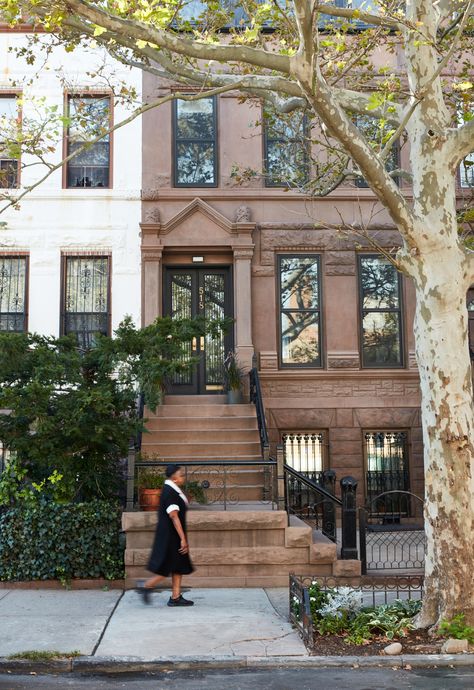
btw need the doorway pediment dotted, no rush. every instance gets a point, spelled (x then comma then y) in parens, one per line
(198, 224)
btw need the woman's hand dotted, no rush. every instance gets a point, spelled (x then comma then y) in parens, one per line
(184, 547)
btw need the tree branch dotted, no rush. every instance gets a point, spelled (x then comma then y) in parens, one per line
(360, 15)
(177, 43)
(461, 142)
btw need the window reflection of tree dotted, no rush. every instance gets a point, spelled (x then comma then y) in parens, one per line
(195, 142)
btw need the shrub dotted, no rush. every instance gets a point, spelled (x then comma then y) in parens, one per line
(46, 540)
(457, 628)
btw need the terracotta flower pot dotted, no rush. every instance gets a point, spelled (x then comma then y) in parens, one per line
(149, 499)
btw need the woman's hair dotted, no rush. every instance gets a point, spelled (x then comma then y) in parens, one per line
(172, 469)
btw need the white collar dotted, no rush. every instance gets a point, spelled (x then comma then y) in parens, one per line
(174, 486)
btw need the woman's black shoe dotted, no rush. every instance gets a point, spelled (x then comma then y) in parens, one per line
(145, 594)
(180, 601)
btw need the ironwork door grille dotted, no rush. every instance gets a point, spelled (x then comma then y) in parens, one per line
(13, 277)
(387, 469)
(304, 452)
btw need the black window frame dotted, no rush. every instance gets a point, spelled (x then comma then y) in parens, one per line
(282, 364)
(282, 140)
(180, 140)
(362, 311)
(70, 164)
(64, 295)
(24, 313)
(12, 163)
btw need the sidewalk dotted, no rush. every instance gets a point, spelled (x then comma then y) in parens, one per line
(113, 632)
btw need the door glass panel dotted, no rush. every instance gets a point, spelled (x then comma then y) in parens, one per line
(181, 308)
(214, 295)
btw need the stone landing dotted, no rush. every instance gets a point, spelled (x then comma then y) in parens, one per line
(238, 549)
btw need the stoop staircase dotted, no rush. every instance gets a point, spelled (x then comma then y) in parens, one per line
(249, 545)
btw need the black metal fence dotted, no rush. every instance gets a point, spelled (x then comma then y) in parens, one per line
(391, 533)
(375, 591)
(257, 400)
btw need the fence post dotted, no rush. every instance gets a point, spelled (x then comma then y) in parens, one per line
(363, 540)
(267, 475)
(349, 518)
(130, 477)
(280, 478)
(329, 509)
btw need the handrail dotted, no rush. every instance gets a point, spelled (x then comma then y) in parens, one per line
(257, 400)
(140, 411)
(313, 485)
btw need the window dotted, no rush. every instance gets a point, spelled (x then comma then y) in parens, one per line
(387, 469)
(380, 304)
(300, 304)
(377, 136)
(86, 297)
(466, 172)
(286, 149)
(304, 452)
(89, 117)
(195, 155)
(9, 123)
(5, 456)
(13, 282)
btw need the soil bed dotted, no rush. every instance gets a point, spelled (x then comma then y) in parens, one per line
(416, 642)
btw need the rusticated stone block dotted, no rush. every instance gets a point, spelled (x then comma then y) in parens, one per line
(322, 552)
(347, 568)
(298, 536)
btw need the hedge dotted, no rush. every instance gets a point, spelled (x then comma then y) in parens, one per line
(61, 541)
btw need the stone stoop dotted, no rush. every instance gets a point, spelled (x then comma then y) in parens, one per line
(238, 549)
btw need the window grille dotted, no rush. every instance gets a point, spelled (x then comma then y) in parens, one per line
(86, 298)
(286, 149)
(89, 117)
(381, 314)
(13, 280)
(387, 468)
(304, 452)
(9, 125)
(300, 306)
(195, 145)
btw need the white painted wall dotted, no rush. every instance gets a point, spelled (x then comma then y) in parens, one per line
(52, 219)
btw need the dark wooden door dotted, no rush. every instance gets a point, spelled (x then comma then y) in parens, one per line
(191, 292)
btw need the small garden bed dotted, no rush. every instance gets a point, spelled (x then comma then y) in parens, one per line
(415, 642)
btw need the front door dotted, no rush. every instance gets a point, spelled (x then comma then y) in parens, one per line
(191, 292)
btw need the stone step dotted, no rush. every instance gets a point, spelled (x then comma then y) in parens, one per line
(205, 410)
(205, 436)
(217, 461)
(195, 399)
(197, 449)
(201, 423)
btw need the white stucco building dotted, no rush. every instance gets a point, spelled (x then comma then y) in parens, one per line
(70, 256)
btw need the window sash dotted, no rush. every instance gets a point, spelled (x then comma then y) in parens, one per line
(82, 171)
(203, 143)
(9, 167)
(13, 293)
(365, 312)
(297, 145)
(307, 316)
(86, 298)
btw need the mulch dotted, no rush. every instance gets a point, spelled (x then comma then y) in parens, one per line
(416, 642)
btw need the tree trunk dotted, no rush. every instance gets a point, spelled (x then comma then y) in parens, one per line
(441, 332)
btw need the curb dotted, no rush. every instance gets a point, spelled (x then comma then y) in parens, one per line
(93, 665)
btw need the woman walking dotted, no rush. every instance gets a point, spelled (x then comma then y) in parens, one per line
(170, 552)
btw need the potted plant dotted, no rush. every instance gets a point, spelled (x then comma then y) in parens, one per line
(150, 485)
(195, 492)
(233, 375)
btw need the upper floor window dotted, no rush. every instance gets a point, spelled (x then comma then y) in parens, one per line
(381, 316)
(86, 297)
(9, 122)
(300, 306)
(377, 136)
(470, 313)
(89, 116)
(466, 172)
(195, 145)
(13, 281)
(286, 149)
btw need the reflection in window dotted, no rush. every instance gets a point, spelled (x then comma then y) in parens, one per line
(286, 149)
(86, 298)
(89, 117)
(9, 124)
(195, 143)
(13, 293)
(300, 311)
(381, 312)
(377, 137)
(470, 313)
(466, 172)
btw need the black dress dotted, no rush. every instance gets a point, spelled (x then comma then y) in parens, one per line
(165, 558)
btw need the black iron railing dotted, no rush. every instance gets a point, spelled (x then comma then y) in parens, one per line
(317, 505)
(220, 484)
(257, 400)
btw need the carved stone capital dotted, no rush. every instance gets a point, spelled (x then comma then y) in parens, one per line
(243, 214)
(242, 253)
(150, 194)
(151, 215)
(154, 254)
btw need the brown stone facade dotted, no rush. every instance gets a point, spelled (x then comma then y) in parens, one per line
(247, 228)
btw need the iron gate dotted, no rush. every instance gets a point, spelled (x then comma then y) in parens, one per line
(391, 533)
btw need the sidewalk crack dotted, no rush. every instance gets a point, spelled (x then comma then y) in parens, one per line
(101, 636)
